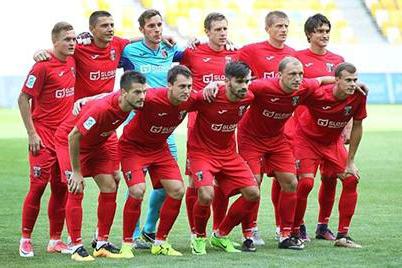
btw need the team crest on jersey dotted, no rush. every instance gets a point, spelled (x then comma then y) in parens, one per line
(348, 110)
(37, 171)
(182, 114)
(68, 174)
(30, 81)
(164, 53)
(242, 109)
(90, 122)
(330, 66)
(112, 54)
(228, 59)
(199, 175)
(295, 100)
(128, 175)
(297, 163)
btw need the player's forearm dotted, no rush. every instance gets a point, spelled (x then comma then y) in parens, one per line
(326, 80)
(74, 149)
(355, 138)
(25, 110)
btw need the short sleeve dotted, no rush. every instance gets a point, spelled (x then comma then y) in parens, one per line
(35, 80)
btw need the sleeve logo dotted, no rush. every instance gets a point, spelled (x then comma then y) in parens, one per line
(30, 81)
(89, 123)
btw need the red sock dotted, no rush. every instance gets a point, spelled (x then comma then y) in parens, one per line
(326, 198)
(106, 211)
(31, 207)
(191, 198)
(131, 214)
(57, 208)
(201, 214)
(304, 187)
(237, 211)
(250, 221)
(347, 203)
(219, 207)
(275, 194)
(74, 216)
(287, 207)
(168, 215)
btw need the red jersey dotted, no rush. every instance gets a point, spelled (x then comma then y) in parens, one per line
(326, 117)
(315, 65)
(216, 123)
(155, 122)
(206, 64)
(51, 86)
(96, 67)
(264, 58)
(272, 106)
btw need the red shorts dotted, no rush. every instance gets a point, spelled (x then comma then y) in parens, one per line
(160, 164)
(267, 155)
(231, 171)
(101, 160)
(331, 158)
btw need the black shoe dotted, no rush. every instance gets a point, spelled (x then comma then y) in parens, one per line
(81, 254)
(248, 246)
(291, 243)
(149, 237)
(109, 247)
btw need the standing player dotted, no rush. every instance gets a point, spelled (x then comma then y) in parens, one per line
(92, 150)
(263, 59)
(207, 63)
(50, 88)
(143, 147)
(317, 61)
(318, 142)
(212, 150)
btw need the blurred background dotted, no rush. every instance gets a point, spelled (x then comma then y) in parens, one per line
(367, 33)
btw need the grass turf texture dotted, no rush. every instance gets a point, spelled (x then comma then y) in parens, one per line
(376, 224)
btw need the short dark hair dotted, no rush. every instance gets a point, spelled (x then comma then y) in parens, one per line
(147, 14)
(93, 19)
(214, 16)
(345, 66)
(130, 77)
(236, 69)
(313, 22)
(285, 61)
(59, 27)
(177, 70)
(269, 18)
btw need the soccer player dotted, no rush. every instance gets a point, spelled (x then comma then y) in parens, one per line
(263, 59)
(207, 64)
(153, 58)
(212, 150)
(45, 101)
(317, 61)
(318, 142)
(143, 147)
(92, 148)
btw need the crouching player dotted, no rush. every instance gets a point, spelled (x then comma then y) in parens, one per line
(319, 141)
(92, 149)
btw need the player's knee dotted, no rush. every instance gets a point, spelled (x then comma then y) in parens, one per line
(252, 193)
(137, 191)
(176, 192)
(258, 179)
(37, 187)
(349, 184)
(305, 185)
(205, 195)
(288, 182)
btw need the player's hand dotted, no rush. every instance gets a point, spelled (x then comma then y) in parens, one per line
(362, 88)
(193, 43)
(84, 38)
(209, 92)
(76, 183)
(78, 105)
(231, 46)
(169, 40)
(351, 169)
(41, 55)
(35, 143)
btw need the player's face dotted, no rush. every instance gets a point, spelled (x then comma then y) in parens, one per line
(103, 29)
(278, 31)
(320, 37)
(135, 96)
(181, 88)
(218, 33)
(152, 30)
(291, 77)
(347, 83)
(65, 43)
(238, 86)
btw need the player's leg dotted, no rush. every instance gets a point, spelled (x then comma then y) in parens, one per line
(219, 206)
(191, 198)
(275, 194)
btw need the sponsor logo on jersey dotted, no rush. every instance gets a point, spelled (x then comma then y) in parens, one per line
(64, 92)
(164, 53)
(275, 115)
(161, 129)
(112, 54)
(90, 122)
(148, 68)
(242, 109)
(223, 127)
(270, 57)
(222, 111)
(200, 175)
(30, 81)
(98, 75)
(330, 66)
(207, 78)
(37, 171)
(206, 59)
(295, 100)
(331, 124)
(269, 74)
(348, 110)
(308, 64)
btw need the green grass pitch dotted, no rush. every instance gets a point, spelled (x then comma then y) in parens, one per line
(377, 224)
